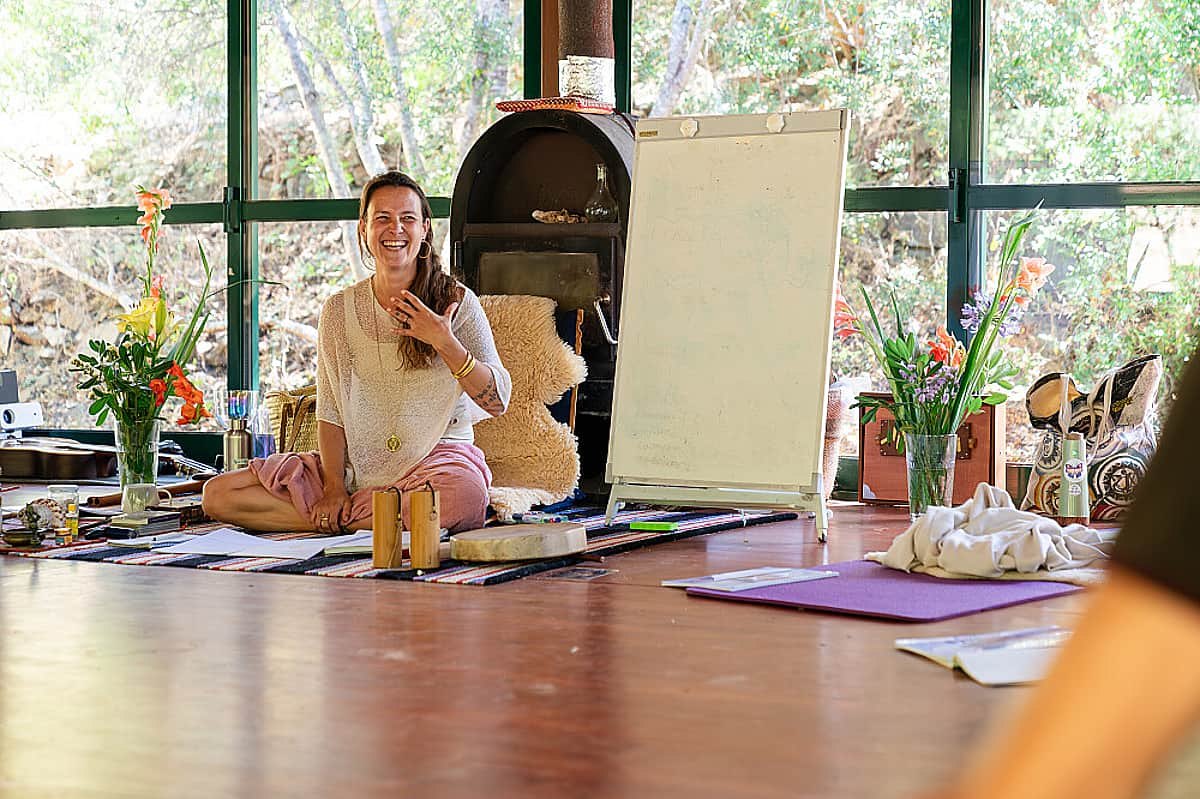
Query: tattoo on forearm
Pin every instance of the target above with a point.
(488, 397)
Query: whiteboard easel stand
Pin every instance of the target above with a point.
(695, 420)
(722, 497)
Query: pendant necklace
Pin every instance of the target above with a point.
(393, 441)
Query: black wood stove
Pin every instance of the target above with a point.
(546, 161)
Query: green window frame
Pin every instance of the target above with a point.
(965, 197)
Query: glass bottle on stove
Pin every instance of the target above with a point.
(601, 207)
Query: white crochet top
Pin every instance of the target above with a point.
(363, 388)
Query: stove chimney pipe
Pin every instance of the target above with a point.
(585, 49)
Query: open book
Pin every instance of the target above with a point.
(1011, 657)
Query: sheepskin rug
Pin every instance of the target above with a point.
(534, 458)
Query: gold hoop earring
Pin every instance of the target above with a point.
(428, 252)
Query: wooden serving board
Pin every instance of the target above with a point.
(519, 542)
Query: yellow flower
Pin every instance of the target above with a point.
(140, 320)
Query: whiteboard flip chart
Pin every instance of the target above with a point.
(726, 310)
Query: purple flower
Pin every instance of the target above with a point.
(1012, 320)
(907, 371)
(936, 387)
(973, 313)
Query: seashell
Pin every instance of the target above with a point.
(53, 517)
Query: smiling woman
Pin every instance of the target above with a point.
(405, 365)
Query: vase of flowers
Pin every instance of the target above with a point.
(137, 458)
(934, 388)
(929, 460)
(131, 378)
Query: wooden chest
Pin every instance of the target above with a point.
(882, 476)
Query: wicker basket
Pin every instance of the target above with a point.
(294, 419)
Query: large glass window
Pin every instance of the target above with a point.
(101, 96)
(1126, 283)
(887, 61)
(63, 287)
(1093, 90)
(881, 252)
(347, 90)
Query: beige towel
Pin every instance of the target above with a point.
(986, 537)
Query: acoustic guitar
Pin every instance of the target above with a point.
(63, 460)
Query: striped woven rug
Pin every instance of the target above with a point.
(602, 540)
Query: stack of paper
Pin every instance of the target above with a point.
(226, 541)
(1005, 658)
(750, 578)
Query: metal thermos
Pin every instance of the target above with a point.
(1073, 489)
(238, 445)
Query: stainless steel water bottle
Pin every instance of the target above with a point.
(1073, 506)
(238, 445)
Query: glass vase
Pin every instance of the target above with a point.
(137, 462)
(601, 207)
(930, 461)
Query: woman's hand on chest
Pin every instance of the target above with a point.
(414, 318)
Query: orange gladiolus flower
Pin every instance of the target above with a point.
(845, 323)
(192, 413)
(187, 414)
(151, 201)
(186, 391)
(159, 387)
(156, 285)
(175, 370)
(947, 349)
(1033, 274)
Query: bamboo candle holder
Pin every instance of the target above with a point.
(425, 521)
(387, 545)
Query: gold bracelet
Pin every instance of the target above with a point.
(466, 369)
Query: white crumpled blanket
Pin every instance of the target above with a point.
(987, 537)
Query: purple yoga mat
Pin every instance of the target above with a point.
(865, 588)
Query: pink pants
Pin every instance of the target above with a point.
(456, 470)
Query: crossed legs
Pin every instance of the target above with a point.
(276, 494)
(240, 498)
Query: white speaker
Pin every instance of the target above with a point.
(19, 415)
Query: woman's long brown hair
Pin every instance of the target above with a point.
(432, 284)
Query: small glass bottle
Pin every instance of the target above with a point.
(601, 207)
(67, 497)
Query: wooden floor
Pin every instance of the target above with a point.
(155, 682)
